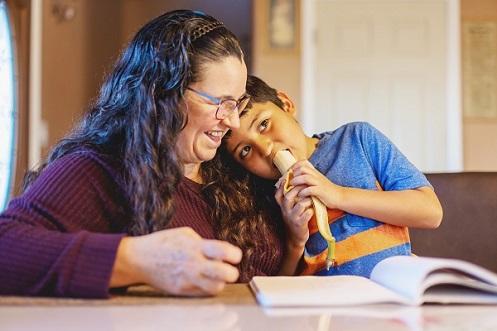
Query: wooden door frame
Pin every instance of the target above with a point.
(19, 11)
(453, 87)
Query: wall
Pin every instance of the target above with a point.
(75, 54)
(283, 70)
(280, 69)
(480, 135)
(234, 14)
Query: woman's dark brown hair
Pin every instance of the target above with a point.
(137, 116)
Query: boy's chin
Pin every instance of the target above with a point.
(273, 176)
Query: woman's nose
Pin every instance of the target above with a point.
(232, 121)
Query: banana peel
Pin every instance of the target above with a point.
(284, 160)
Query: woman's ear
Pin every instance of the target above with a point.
(288, 104)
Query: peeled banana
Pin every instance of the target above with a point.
(284, 160)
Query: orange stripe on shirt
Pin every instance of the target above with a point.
(371, 241)
(333, 215)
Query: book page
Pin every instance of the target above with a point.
(411, 276)
(320, 291)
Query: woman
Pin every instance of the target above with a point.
(119, 202)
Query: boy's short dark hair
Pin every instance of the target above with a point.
(260, 92)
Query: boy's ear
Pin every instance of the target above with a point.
(288, 104)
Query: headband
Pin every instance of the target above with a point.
(201, 30)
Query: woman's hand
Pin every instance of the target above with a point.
(296, 213)
(316, 184)
(176, 261)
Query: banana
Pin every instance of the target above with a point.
(284, 160)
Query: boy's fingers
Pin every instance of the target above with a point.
(307, 192)
(300, 207)
(280, 182)
(305, 202)
(279, 195)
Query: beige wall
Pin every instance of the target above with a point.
(479, 135)
(75, 53)
(280, 69)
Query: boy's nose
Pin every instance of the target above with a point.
(264, 145)
(232, 121)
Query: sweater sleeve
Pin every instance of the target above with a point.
(60, 237)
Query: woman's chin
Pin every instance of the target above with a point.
(207, 154)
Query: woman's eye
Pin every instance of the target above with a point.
(263, 126)
(244, 152)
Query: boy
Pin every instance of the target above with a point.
(375, 193)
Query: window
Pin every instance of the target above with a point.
(7, 106)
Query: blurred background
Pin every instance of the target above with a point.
(422, 71)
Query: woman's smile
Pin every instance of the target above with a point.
(216, 136)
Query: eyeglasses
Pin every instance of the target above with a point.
(225, 106)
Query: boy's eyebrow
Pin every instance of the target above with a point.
(250, 126)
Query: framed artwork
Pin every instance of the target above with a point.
(480, 69)
(283, 26)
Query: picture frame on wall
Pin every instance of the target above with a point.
(283, 26)
(479, 69)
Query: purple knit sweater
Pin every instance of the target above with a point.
(60, 237)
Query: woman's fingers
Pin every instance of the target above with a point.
(221, 250)
(219, 271)
(178, 261)
(210, 286)
(211, 276)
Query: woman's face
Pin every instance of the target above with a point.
(203, 133)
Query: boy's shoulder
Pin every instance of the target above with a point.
(352, 129)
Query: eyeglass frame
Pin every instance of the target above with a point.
(218, 102)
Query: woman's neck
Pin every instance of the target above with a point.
(192, 172)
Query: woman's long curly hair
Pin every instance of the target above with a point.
(138, 114)
(245, 210)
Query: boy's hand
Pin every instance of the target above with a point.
(316, 184)
(296, 214)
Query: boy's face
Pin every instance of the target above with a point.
(264, 130)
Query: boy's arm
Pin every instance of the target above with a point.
(418, 208)
(413, 208)
(291, 260)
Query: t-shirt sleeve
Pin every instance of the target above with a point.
(60, 237)
(392, 168)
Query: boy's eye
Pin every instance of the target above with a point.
(263, 125)
(244, 152)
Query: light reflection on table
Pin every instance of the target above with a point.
(236, 310)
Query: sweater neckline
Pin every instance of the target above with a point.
(191, 185)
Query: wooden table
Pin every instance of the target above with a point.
(234, 309)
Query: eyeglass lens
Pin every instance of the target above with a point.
(228, 107)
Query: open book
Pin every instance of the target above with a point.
(400, 279)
